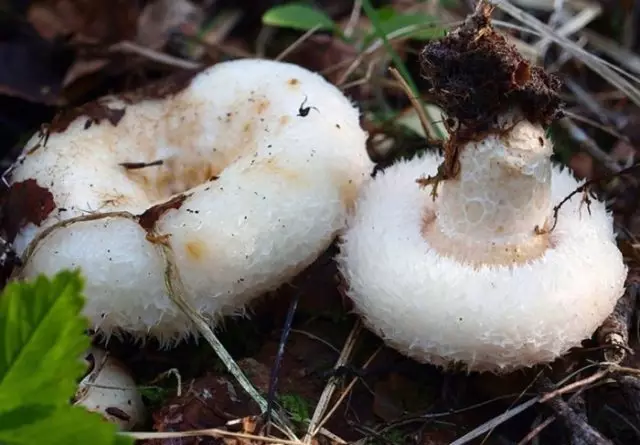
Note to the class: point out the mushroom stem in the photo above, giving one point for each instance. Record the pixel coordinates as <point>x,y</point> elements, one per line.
<point>499,201</point>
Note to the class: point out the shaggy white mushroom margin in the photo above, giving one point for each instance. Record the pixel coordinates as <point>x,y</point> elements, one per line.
<point>480,276</point>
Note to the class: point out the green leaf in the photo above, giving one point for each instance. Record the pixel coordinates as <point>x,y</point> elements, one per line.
<point>296,405</point>
<point>298,16</point>
<point>424,24</point>
<point>373,15</point>
<point>42,341</point>
<point>56,425</point>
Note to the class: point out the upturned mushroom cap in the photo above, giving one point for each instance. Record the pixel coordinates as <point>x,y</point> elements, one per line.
<point>245,172</point>
<point>488,270</point>
<point>109,389</point>
<point>490,308</point>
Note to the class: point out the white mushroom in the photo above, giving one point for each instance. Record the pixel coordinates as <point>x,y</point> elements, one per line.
<point>478,274</point>
<point>466,278</point>
<point>109,389</point>
<point>246,172</point>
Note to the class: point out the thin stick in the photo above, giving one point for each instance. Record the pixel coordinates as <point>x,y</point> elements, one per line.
<point>133,48</point>
<point>346,391</point>
<point>325,397</point>
<point>572,386</point>
<point>394,36</point>
<point>422,115</point>
<point>593,123</point>
<point>275,369</point>
<point>595,63</point>
<point>299,41</point>
<point>614,331</point>
<point>575,24</point>
<point>496,421</point>
<point>589,145</point>
<point>177,293</point>
<point>354,17</point>
<point>537,430</point>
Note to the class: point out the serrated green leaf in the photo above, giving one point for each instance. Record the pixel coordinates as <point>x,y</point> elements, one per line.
<point>42,341</point>
<point>298,16</point>
<point>57,425</point>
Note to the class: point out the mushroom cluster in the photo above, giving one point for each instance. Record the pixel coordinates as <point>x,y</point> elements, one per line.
<point>240,175</point>
<point>470,259</point>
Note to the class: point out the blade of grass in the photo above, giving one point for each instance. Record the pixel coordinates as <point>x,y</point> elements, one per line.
<point>371,13</point>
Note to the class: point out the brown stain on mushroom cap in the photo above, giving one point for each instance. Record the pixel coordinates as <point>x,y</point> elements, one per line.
<point>293,83</point>
<point>95,112</point>
<point>195,249</point>
<point>183,126</point>
<point>272,167</point>
<point>348,194</point>
<point>262,105</point>
<point>24,203</point>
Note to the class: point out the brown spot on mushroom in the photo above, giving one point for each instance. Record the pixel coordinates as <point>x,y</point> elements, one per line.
<point>182,122</point>
<point>271,166</point>
<point>23,203</point>
<point>293,82</point>
<point>348,194</point>
<point>150,217</point>
<point>195,249</point>
<point>284,120</point>
<point>95,112</point>
<point>262,106</point>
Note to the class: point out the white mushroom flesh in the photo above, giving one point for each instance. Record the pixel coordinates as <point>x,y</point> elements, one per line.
<point>269,158</point>
<point>473,277</point>
<point>109,389</point>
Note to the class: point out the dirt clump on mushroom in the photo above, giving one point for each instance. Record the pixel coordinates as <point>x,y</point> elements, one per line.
<point>477,75</point>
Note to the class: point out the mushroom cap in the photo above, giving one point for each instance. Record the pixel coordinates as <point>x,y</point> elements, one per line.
<point>109,389</point>
<point>261,162</point>
<point>490,317</point>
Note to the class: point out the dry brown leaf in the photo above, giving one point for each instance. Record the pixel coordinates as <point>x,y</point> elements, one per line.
<point>86,21</point>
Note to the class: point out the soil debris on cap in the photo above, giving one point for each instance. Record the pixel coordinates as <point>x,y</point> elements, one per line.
<point>23,203</point>
<point>95,112</point>
<point>476,75</point>
<point>149,217</point>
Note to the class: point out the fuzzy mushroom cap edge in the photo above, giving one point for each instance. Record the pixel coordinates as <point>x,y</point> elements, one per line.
<point>491,318</point>
<point>261,162</point>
